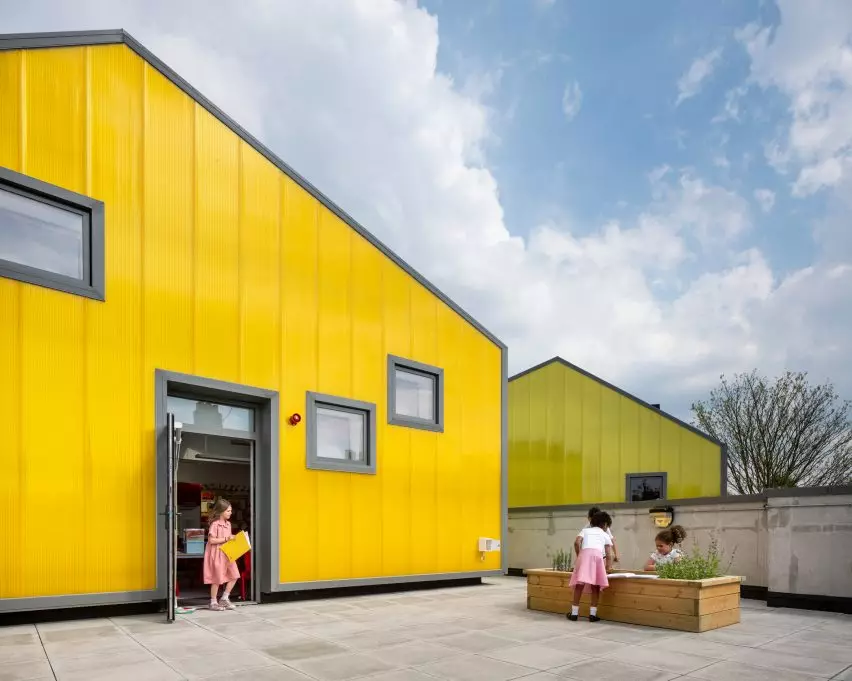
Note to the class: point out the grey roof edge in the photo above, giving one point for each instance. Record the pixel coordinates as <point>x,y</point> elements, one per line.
<point>564,362</point>
<point>22,41</point>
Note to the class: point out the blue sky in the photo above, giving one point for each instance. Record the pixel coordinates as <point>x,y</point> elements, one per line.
<point>683,212</point>
<point>627,58</point>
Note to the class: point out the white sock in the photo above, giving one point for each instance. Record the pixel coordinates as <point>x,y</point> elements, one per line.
<point>575,609</point>
<point>593,611</point>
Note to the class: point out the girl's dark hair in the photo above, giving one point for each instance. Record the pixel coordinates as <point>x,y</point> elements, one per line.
<point>601,519</point>
<point>592,511</point>
<point>673,535</point>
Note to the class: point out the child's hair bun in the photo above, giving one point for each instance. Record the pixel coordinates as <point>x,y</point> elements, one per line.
<point>674,535</point>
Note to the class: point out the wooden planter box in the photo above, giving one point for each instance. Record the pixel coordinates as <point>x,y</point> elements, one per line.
<point>684,605</point>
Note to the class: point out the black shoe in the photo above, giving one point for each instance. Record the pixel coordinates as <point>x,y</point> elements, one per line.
<point>594,618</point>
<point>573,618</point>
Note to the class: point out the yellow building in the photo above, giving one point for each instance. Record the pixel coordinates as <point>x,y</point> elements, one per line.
<point>576,439</point>
<point>183,317</point>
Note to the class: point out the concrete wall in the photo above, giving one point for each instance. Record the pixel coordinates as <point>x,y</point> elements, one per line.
<point>786,541</point>
<point>810,545</point>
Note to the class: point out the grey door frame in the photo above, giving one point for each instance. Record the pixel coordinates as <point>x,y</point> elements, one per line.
<point>265,567</point>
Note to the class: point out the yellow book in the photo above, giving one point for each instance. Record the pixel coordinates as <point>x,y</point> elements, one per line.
<point>238,546</point>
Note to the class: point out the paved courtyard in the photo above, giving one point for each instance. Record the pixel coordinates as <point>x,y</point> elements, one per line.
<point>481,633</point>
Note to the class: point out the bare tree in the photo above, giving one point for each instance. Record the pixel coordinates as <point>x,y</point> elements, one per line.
<point>783,434</point>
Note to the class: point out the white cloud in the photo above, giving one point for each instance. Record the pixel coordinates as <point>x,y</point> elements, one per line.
<point>572,100</point>
<point>765,199</point>
<point>808,58</point>
<point>348,92</point>
<point>825,173</point>
<point>700,70</point>
<point>731,109</point>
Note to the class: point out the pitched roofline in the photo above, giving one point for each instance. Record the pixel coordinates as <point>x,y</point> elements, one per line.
<point>623,393</point>
<point>24,41</point>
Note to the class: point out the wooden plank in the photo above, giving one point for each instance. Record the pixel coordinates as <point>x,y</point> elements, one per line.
<point>646,587</point>
<point>553,593</point>
<point>675,606</point>
<point>532,579</point>
<point>552,580</point>
<point>707,606</point>
<point>717,620</point>
<point>650,618</point>
<point>719,590</point>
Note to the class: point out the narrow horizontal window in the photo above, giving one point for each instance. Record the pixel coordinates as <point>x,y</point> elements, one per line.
<point>341,434</point>
<point>415,394</point>
<point>50,236</point>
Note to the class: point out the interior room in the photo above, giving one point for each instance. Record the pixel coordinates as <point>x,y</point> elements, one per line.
<point>211,467</point>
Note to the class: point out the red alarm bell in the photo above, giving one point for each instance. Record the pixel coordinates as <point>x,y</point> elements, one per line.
<point>295,419</point>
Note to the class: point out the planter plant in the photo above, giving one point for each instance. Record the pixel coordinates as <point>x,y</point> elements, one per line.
<point>561,561</point>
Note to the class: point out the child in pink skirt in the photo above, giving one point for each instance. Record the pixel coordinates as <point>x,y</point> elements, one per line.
<point>591,545</point>
<point>218,568</point>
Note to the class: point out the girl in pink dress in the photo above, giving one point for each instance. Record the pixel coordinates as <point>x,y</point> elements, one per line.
<point>591,545</point>
<point>218,568</point>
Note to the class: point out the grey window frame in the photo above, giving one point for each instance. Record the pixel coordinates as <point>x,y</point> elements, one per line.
<point>630,476</point>
<point>92,285</point>
<point>394,419</point>
<point>343,404</point>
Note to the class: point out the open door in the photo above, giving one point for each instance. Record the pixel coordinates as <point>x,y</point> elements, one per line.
<point>171,514</point>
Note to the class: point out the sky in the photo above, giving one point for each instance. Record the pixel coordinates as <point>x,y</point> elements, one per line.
<point>657,192</point>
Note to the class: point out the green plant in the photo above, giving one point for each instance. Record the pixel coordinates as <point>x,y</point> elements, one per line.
<point>560,561</point>
<point>698,564</point>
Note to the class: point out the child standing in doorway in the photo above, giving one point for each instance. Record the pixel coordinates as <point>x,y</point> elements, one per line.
<point>591,545</point>
<point>668,549</point>
<point>592,511</point>
<point>218,568</point>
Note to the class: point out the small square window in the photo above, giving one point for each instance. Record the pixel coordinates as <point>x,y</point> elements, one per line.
<point>341,434</point>
<point>415,394</point>
<point>50,236</point>
<point>646,486</point>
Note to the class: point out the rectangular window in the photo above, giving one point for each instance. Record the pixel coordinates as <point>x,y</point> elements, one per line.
<point>341,434</point>
<point>206,414</point>
<point>50,236</point>
<point>646,486</point>
<point>415,394</point>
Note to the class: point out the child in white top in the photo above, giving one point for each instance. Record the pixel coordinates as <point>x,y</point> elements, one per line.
<point>592,511</point>
<point>593,547</point>
<point>668,550</point>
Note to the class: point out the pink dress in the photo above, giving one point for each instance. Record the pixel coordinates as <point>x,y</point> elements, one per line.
<point>590,568</point>
<point>217,568</point>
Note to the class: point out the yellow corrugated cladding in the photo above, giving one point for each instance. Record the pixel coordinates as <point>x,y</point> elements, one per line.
<point>218,265</point>
<point>572,440</point>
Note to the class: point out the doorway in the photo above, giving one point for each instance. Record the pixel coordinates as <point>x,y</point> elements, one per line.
<point>209,468</point>
<point>215,440</point>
